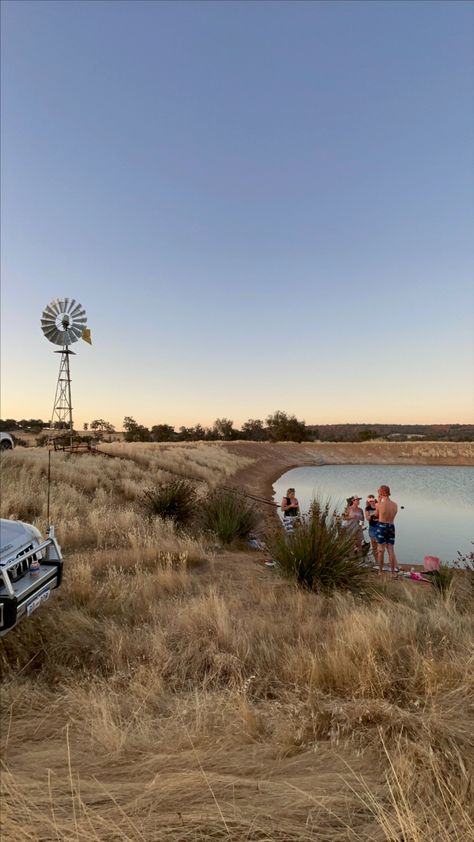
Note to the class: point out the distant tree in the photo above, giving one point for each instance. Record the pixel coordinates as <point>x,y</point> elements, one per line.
<point>102,426</point>
<point>223,428</point>
<point>134,431</point>
<point>8,424</point>
<point>34,424</point>
<point>185,434</point>
<point>283,427</point>
<point>254,430</point>
<point>367,435</point>
<point>86,426</point>
<point>162,432</point>
<point>199,433</point>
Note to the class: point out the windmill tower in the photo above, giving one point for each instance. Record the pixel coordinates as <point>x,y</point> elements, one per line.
<point>63,322</point>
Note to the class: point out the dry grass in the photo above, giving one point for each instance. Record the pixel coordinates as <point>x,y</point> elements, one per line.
<point>163,700</point>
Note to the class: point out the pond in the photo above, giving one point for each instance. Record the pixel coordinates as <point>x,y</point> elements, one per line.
<point>437,516</point>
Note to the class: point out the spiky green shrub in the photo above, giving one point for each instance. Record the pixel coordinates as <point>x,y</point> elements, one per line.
<point>229,516</point>
<point>319,554</point>
<point>174,500</point>
<point>465,563</point>
<point>442,579</point>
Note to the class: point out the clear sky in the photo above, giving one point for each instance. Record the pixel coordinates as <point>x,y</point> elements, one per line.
<point>261,205</point>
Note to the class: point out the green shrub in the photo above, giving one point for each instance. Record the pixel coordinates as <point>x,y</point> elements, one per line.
<point>465,563</point>
<point>229,516</point>
<point>442,579</point>
<point>176,500</point>
<point>319,554</point>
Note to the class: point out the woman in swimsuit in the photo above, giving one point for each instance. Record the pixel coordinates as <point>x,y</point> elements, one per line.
<point>290,506</point>
<point>354,518</point>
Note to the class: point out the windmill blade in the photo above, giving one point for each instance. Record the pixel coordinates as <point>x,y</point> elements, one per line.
<point>47,323</point>
<point>48,315</point>
<point>54,336</point>
<point>55,306</point>
<point>75,311</point>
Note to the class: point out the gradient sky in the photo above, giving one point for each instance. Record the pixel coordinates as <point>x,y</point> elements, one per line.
<point>260,205</point>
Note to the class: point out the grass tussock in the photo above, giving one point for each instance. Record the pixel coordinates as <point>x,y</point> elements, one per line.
<point>165,695</point>
<point>319,554</point>
<point>228,516</point>
<point>176,500</point>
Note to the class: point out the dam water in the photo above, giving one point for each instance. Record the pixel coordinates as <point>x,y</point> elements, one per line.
<point>437,516</point>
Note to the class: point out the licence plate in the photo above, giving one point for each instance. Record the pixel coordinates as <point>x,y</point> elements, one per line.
<point>37,600</point>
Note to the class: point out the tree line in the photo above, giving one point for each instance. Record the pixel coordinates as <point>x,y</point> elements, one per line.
<point>277,427</point>
<point>280,426</point>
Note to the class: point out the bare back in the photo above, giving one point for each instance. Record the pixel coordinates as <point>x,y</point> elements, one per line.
<point>387,510</point>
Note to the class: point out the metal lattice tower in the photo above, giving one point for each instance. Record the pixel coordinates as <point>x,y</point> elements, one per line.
<point>63,322</point>
<point>62,407</point>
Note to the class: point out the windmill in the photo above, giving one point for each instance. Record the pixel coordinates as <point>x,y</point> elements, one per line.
<point>63,322</point>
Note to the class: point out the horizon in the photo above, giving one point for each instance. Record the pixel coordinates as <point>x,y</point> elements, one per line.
<point>258,205</point>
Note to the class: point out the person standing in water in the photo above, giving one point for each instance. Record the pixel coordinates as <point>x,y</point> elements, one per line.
<point>289,505</point>
<point>371,518</point>
<point>354,518</point>
<point>385,528</point>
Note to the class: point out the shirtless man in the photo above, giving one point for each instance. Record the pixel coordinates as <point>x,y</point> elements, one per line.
<point>385,527</point>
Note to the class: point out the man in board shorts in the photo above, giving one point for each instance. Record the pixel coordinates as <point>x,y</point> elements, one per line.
<point>385,527</point>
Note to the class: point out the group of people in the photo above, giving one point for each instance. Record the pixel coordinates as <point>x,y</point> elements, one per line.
<point>380,513</point>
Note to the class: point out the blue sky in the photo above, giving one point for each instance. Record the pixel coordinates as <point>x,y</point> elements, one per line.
<point>260,205</point>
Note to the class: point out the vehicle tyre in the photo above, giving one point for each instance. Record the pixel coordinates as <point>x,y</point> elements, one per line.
<point>5,445</point>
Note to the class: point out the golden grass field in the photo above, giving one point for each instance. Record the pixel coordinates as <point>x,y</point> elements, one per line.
<point>173,692</point>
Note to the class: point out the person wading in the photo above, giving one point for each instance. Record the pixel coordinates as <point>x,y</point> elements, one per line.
<point>371,517</point>
<point>354,518</point>
<point>385,528</point>
<point>290,506</point>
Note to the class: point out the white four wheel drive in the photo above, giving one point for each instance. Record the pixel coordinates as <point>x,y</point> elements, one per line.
<point>6,441</point>
<point>30,568</point>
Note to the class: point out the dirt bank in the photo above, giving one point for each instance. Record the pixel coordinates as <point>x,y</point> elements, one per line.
<point>272,460</point>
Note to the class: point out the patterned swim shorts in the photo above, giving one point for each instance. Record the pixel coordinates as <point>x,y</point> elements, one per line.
<point>384,533</point>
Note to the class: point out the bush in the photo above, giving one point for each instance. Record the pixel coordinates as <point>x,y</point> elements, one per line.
<point>320,554</point>
<point>442,579</point>
<point>175,500</point>
<point>465,563</point>
<point>229,516</point>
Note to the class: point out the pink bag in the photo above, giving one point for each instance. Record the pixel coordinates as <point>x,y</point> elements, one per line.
<point>431,562</point>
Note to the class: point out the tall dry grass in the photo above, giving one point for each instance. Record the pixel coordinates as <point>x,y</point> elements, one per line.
<point>93,499</point>
<point>157,700</point>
